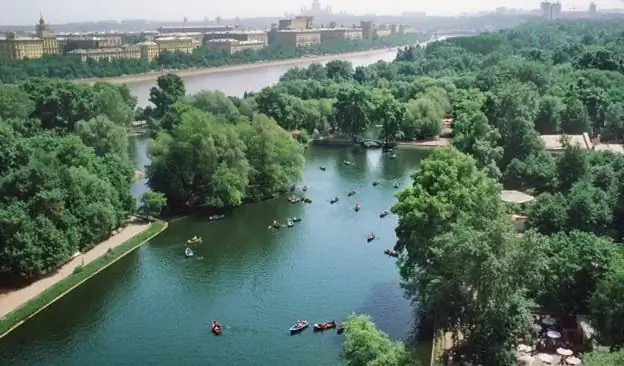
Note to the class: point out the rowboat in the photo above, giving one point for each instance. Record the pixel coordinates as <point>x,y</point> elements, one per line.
<point>333,200</point>
<point>391,253</point>
<point>384,213</point>
<point>340,329</point>
<point>357,207</point>
<point>299,326</point>
<point>371,237</point>
<point>290,223</point>
<point>216,217</point>
<point>188,252</point>
<point>319,327</point>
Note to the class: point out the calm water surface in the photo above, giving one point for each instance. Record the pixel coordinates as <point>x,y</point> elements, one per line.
<point>237,82</point>
<point>154,306</point>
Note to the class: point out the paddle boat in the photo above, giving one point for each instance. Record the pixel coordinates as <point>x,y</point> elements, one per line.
<point>395,184</point>
<point>340,329</point>
<point>357,207</point>
<point>323,168</point>
<point>333,200</point>
<point>194,240</point>
<point>299,326</point>
<point>371,237</point>
<point>347,162</point>
<point>384,213</point>
<point>294,199</point>
<point>290,223</point>
<point>351,193</point>
<point>188,252</point>
<point>305,188</point>
<point>393,156</point>
<point>307,199</point>
<point>391,253</point>
<point>216,217</point>
<point>275,224</point>
<point>296,219</point>
<point>376,183</point>
<point>216,327</point>
<point>319,327</point>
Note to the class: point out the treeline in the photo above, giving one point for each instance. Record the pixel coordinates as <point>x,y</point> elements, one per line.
<point>461,256</point>
<point>65,174</point>
<point>210,151</point>
<point>71,67</point>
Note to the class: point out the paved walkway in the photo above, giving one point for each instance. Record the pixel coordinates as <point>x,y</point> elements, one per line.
<point>11,300</point>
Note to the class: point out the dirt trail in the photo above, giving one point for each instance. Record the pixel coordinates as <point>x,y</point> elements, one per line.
<point>13,299</point>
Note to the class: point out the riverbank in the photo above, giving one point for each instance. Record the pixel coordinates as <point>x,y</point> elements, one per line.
<point>18,306</point>
<point>153,75</point>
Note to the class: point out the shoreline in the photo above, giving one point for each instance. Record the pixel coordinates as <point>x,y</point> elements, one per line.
<point>39,295</point>
<point>186,73</point>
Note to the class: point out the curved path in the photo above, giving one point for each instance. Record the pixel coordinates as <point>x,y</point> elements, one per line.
<point>13,299</point>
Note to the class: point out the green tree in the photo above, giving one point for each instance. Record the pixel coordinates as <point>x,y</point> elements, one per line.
<point>104,136</point>
<point>353,110</point>
<point>168,90</point>
<point>390,113</point>
<point>365,345</point>
<point>601,357</point>
<point>152,203</point>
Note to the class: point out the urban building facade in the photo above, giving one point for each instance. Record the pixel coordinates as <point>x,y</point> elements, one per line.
<point>14,47</point>
<point>242,36</point>
<point>196,29</point>
<point>232,46</point>
<point>340,34</point>
<point>550,10</point>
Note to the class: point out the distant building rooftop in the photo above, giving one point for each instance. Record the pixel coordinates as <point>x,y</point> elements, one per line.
<point>234,41</point>
<point>516,197</point>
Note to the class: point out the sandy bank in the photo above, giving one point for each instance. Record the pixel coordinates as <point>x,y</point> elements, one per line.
<point>11,300</point>
<point>153,75</point>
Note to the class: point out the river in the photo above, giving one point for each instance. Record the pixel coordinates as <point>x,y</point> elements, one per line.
<point>154,306</point>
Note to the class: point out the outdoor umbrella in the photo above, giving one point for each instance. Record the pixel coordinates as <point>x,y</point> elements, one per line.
<point>545,358</point>
<point>553,334</point>
<point>573,361</point>
<point>564,351</point>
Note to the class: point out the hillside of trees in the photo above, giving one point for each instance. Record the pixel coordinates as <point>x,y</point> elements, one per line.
<point>461,257</point>
<point>71,67</point>
<point>65,173</point>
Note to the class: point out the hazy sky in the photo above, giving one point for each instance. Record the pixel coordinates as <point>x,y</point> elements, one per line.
<point>62,11</point>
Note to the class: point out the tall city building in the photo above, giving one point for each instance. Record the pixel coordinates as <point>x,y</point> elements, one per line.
<point>592,8</point>
<point>550,11</point>
<point>316,9</point>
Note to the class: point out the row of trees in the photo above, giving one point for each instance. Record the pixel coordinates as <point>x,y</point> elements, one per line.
<point>209,152</point>
<point>71,67</point>
<point>65,173</point>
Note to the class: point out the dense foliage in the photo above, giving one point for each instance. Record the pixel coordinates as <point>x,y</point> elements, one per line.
<point>71,67</point>
<point>461,257</point>
<point>365,345</point>
<point>64,172</point>
<point>209,153</point>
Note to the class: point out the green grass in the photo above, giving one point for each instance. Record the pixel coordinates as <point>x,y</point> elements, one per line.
<point>32,307</point>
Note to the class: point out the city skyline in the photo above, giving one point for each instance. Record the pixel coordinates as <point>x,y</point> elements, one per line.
<point>60,11</point>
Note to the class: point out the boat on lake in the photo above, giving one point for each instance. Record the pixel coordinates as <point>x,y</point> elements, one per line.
<point>323,168</point>
<point>393,156</point>
<point>357,207</point>
<point>384,213</point>
<point>376,183</point>
<point>294,199</point>
<point>333,200</point>
<point>371,237</point>
<point>194,240</point>
<point>395,184</point>
<point>347,162</point>
<point>340,329</point>
<point>391,252</point>
<point>307,200</point>
<point>296,219</point>
<point>299,326</point>
<point>188,252</point>
<point>305,188</point>
<point>216,217</point>
<point>351,193</point>
<point>216,327</point>
<point>276,224</point>
<point>290,223</point>
<point>319,327</point>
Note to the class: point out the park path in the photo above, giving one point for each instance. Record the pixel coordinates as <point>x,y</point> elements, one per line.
<point>13,299</point>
